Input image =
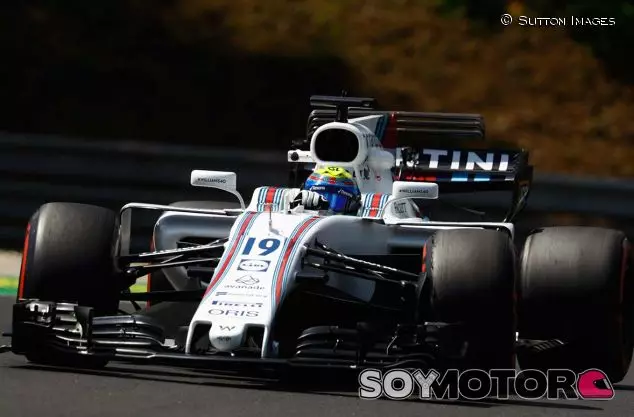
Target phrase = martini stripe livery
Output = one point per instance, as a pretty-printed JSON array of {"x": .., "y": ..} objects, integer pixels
[
  {"x": 292, "y": 242},
  {"x": 229, "y": 255}
]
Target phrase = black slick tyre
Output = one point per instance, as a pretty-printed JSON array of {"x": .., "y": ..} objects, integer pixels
[
  {"x": 472, "y": 273},
  {"x": 68, "y": 258},
  {"x": 576, "y": 287}
]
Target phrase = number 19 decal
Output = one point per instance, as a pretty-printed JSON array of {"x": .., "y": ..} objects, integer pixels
[{"x": 268, "y": 246}]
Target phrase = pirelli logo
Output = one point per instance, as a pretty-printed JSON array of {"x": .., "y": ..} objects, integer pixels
[{"x": 236, "y": 304}]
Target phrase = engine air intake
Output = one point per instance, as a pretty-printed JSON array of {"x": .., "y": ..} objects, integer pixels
[{"x": 336, "y": 145}]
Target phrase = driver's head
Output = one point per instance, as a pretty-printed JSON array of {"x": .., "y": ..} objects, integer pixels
[{"x": 337, "y": 186}]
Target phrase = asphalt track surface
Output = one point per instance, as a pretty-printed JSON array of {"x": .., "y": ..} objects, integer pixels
[{"x": 123, "y": 390}]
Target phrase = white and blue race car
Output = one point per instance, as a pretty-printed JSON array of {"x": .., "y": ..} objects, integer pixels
[{"x": 264, "y": 286}]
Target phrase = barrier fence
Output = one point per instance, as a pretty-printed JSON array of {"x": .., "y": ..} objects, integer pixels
[{"x": 40, "y": 168}]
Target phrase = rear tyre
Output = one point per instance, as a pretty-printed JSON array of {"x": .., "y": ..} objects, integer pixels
[
  {"x": 68, "y": 258},
  {"x": 472, "y": 274},
  {"x": 575, "y": 287}
]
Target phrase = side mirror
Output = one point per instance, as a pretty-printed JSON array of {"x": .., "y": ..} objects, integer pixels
[
  {"x": 300, "y": 156},
  {"x": 401, "y": 207},
  {"x": 221, "y": 180}
]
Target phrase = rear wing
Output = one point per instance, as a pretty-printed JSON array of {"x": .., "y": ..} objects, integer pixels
[
  {"x": 458, "y": 170},
  {"x": 469, "y": 170},
  {"x": 400, "y": 128},
  {"x": 395, "y": 129}
]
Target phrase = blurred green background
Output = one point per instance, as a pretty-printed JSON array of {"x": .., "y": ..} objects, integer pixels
[{"x": 239, "y": 72}]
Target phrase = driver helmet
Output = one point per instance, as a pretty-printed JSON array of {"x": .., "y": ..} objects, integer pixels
[{"x": 337, "y": 186}]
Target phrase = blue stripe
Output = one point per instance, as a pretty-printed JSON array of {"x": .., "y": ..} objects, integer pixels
[
  {"x": 367, "y": 203},
  {"x": 377, "y": 128},
  {"x": 384, "y": 126},
  {"x": 277, "y": 199},
  {"x": 381, "y": 128},
  {"x": 261, "y": 197},
  {"x": 364, "y": 206},
  {"x": 383, "y": 203},
  {"x": 237, "y": 251},
  {"x": 482, "y": 177},
  {"x": 459, "y": 177}
]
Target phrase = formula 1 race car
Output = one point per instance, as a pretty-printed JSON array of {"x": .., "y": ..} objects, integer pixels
[{"x": 266, "y": 287}]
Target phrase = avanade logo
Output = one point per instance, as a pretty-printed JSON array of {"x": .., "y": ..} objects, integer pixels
[{"x": 247, "y": 280}]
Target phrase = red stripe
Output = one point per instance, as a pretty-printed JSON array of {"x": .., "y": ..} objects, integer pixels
[
  {"x": 232, "y": 250},
  {"x": 270, "y": 195},
  {"x": 374, "y": 205},
  {"x": 411, "y": 177},
  {"x": 287, "y": 254},
  {"x": 25, "y": 254}
]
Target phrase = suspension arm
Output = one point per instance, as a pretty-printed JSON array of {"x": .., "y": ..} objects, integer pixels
[
  {"x": 360, "y": 274},
  {"x": 141, "y": 270},
  {"x": 146, "y": 256},
  {"x": 346, "y": 260},
  {"x": 188, "y": 295}
]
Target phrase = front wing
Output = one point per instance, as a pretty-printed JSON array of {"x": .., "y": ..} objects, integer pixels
[{"x": 70, "y": 333}]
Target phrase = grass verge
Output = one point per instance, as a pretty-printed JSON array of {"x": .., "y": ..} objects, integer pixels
[{"x": 9, "y": 286}]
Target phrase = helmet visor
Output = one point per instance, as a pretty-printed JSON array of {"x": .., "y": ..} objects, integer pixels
[
  {"x": 338, "y": 202},
  {"x": 338, "y": 197}
]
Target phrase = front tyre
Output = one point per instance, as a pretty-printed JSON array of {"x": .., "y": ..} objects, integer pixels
[{"x": 68, "y": 257}]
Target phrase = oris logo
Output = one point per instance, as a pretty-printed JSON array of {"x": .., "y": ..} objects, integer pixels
[{"x": 232, "y": 313}]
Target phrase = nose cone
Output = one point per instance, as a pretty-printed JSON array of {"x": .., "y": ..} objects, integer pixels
[{"x": 226, "y": 337}]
